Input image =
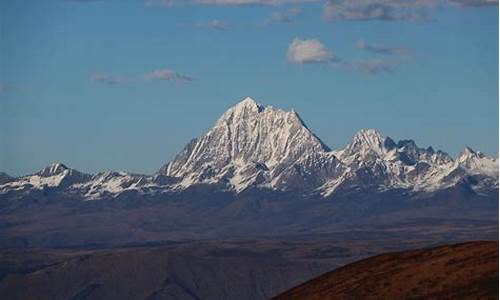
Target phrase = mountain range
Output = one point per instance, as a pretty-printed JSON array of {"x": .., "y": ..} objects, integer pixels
[{"x": 264, "y": 148}]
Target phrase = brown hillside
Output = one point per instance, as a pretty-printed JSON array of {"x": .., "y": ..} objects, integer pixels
[{"x": 462, "y": 271}]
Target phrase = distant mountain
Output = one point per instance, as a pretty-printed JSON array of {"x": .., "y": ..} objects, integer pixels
[
  {"x": 53, "y": 176},
  {"x": 464, "y": 271},
  {"x": 257, "y": 147}
]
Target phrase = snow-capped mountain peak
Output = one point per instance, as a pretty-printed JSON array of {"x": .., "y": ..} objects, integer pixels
[
  {"x": 242, "y": 109},
  {"x": 252, "y": 145},
  {"x": 53, "y": 169},
  {"x": 476, "y": 162},
  {"x": 56, "y": 175},
  {"x": 468, "y": 153},
  {"x": 249, "y": 103},
  {"x": 249, "y": 143},
  {"x": 366, "y": 140}
]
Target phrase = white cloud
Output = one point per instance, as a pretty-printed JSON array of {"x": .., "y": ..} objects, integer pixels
[
  {"x": 167, "y": 74},
  {"x": 309, "y": 51},
  {"x": 312, "y": 51}
]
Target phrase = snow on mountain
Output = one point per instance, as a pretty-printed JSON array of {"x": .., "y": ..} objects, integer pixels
[
  {"x": 251, "y": 144},
  {"x": 53, "y": 170},
  {"x": 54, "y": 175},
  {"x": 364, "y": 143},
  {"x": 477, "y": 163},
  {"x": 106, "y": 184},
  {"x": 373, "y": 160},
  {"x": 264, "y": 147},
  {"x": 112, "y": 183}
]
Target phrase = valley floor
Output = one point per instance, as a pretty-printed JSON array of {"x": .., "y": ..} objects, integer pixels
[{"x": 230, "y": 268}]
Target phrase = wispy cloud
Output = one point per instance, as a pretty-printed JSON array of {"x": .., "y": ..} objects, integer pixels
[
  {"x": 309, "y": 51},
  {"x": 165, "y": 3},
  {"x": 160, "y": 74},
  {"x": 349, "y": 10},
  {"x": 83, "y": 1},
  {"x": 108, "y": 79},
  {"x": 249, "y": 2},
  {"x": 382, "y": 49},
  {"x": 168, "y": 75},
  {"x": 474, "y": 2},
  {"x": 227, "y": 2},
  {"x": 391, "y": 10},
  {"x": 285, "y": 16},
  {"x": 356, "y": 10},
  {"x": 214, "y": 24},
  {"x": 312, "y": 51},
  {"x": 386, "y": 10},
  {"x": 252, "y": 2},
  {"x": 372, "y": 66}
]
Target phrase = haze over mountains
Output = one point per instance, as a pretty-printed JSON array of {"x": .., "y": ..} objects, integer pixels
[{"x": 252, "y": 146}]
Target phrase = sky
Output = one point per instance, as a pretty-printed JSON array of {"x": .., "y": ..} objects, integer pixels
[{"x": 125, "y": 84}]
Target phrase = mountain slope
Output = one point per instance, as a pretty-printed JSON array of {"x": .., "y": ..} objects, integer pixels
[
  {"x": 161, "y": 272},
  {"x": 463, "y": 271},
  {"x": 251, "y": 144}
]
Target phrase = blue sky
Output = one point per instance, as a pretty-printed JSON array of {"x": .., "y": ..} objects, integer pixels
[{"x": 124, "y": 85}]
